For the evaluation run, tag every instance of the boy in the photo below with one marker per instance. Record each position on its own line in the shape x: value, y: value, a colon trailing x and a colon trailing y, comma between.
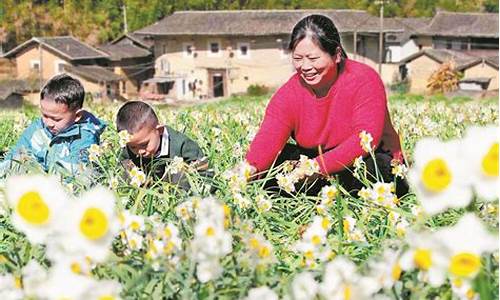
x: 62, y: 136
x: 151, y: 143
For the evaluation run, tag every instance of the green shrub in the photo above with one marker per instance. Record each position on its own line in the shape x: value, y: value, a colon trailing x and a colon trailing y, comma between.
x: 257, y: 90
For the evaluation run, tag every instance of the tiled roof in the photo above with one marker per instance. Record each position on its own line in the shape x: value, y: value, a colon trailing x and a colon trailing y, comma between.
x: 67, y: 46
x: 124, y: 51
x: 256, y: 22
x: 93, y: 73
x: 462, y: 59
x: 463, y: 25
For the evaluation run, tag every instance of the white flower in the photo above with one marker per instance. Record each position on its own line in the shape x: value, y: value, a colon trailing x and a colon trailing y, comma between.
x: 34, y: 277
x: 137, y: 177
x: 130, y: 221
x: 91, y: 225
x: 10, y: 288
x: 365, y: 141
x: 62, y: 283
x: 463, y: 290
x: 286, y: 182
x: 358, y: 163
x: 263, y: 204
x: 94, y: 152
x: 37, y: 203
x: 208, y: 270
x: 306, y: 167
x: 387, y: 271
x: 480, y: 149
x: 260, y: 251
x: 398, y: 169
x: 328, y: 193
x: 439, y: 177
x: 426, y: 254
x: 113, y: 183
x: 304, y: 287
x: 176, y: 165
x: 124, y: 138
x: 341, y: 281
x: 241, y: 201
x: 465, y: 242
x: 261, y: 293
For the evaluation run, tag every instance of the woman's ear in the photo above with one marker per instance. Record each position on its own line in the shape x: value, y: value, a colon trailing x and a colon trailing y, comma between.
x: 338, y: 55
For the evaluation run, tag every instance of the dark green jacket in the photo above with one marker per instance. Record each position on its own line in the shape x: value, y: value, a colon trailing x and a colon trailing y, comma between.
x: 179, y: 145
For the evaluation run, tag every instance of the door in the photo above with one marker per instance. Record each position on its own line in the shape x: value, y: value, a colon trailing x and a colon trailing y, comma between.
x: 218, y: 81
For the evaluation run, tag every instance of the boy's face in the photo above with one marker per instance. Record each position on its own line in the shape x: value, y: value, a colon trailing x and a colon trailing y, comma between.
x: 146, y: 141
x: 58, y: 116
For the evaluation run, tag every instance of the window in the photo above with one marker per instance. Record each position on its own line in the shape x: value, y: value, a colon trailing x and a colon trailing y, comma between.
x: 35, y: 65
x: 243, y: 50
x: 188, y: 50
x: 59, y: 66
x: 214, y: 49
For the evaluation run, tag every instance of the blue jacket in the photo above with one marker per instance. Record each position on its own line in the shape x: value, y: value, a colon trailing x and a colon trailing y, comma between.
x: 68, y: 148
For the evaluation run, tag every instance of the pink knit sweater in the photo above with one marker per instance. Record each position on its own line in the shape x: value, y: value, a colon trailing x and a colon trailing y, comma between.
x: 355, y: 102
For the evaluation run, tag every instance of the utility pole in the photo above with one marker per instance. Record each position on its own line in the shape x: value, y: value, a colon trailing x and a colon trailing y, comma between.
x: 381, y: 36
x: 125, y: 27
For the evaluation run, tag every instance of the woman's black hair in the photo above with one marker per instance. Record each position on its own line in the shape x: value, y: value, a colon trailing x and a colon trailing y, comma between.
x: 322, y: 31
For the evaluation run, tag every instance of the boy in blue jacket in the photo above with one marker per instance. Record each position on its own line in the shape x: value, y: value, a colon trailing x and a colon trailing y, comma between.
x: 62, y: 136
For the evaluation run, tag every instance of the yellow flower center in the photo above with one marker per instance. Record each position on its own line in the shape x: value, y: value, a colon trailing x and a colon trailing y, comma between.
x: 18, y: 283
x: 309, y: 254
x: 470, y: 294
x: 254, y: 243
x: 210, y: 231
x: 135, y: 225
x: 94, y: 224
x: 465, y: 264
x: 107, y: 297
x: 75, y: 268
x: 33, y: 209
x: 168, y: 247
x: 490, y: 161
x: 264, y: 252
x: 422, y: 259
x: 347, y: 225
x: 316, y: 240
x: 168, y: 232
x: 325, y: 223
x: 347, y: 292
x: 436, y: 175
x: 396, y: 272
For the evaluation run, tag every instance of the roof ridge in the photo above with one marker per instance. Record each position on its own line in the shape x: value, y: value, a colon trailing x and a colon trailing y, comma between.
x: 464, y: 13
x: 264, y: 10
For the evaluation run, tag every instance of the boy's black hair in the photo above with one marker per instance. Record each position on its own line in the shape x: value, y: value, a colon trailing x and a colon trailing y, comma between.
x: 65, y: 89
x: 133, y: 115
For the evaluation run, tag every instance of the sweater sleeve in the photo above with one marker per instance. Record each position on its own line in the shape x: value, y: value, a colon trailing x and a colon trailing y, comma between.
x: 369, y: 112
x: 274, y: 131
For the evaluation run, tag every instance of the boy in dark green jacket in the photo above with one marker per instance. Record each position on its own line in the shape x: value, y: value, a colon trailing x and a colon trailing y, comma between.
x: 153, y: 146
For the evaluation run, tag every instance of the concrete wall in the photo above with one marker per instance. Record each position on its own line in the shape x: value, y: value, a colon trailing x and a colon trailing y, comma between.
x: 398, y: 52
x: 26, y: 58
x: 483, y: 70
x: 265, y: 62
x: 419, y: 71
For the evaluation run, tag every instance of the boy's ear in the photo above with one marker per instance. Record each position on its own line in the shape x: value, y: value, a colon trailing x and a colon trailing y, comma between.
x: 78, y: 115
x: 160, y: 128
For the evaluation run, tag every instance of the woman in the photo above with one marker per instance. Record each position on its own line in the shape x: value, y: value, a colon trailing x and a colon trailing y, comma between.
x: 324, y: 106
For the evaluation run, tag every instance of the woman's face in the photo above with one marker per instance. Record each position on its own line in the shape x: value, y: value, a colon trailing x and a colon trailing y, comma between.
x: 317, y: 68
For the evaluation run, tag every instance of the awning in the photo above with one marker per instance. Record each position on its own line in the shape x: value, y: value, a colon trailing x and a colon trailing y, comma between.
x: 159, y: 80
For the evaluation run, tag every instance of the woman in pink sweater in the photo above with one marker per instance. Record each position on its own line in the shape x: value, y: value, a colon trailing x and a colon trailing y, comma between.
x: 323, y: 107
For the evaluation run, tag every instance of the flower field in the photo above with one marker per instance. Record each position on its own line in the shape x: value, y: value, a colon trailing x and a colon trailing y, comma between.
x: 104, y: 235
